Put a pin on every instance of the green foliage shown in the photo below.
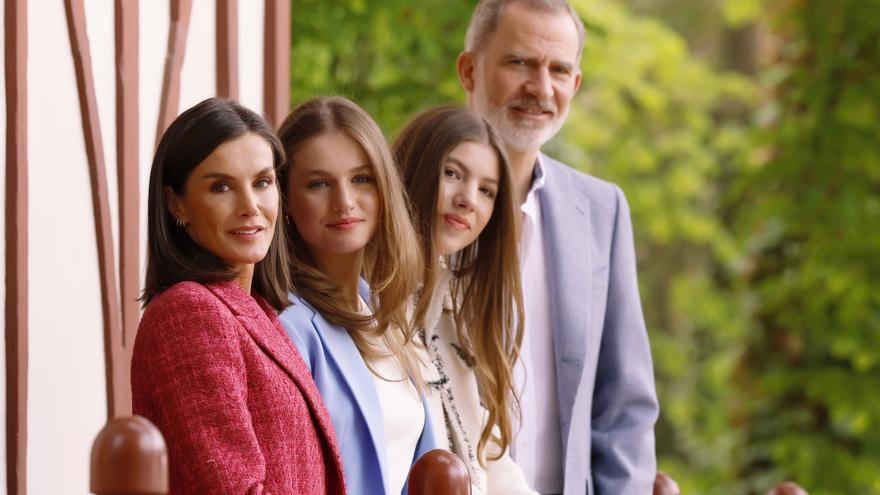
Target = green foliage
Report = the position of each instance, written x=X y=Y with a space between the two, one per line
x=810 y=214
x=669 y=130
x=393 y=57
x=741 y=12
x=755 y=212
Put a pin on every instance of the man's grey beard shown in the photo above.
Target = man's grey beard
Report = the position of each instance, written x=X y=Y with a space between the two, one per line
x=520 y=136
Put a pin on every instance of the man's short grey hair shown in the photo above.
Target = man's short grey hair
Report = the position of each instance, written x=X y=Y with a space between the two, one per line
x=488 y=13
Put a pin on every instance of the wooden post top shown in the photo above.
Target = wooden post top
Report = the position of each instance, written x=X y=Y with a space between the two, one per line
x=129 y=457
x=439 y=472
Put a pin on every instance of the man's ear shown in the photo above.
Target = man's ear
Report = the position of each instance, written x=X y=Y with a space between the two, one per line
x=465 y=65
x=577 y=81
x=174 y=205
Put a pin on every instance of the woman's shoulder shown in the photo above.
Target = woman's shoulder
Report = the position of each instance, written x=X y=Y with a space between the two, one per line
x=183 y=302
x=298 y=320
x=299 y=310
x=186 y=317
x=186 y=290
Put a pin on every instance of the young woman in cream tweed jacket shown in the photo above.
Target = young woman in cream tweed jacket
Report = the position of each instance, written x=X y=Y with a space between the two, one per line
x=468 y=313
x=451 y=375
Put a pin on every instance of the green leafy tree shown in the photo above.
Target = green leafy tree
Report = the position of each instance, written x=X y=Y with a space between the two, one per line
x=671 y=132
x=393 y=57
x=809 y=214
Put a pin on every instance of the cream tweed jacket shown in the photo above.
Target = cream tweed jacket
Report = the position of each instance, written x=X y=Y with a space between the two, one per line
x=464 y=414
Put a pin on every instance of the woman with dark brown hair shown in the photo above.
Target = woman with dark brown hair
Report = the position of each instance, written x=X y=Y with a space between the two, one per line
x=469 y=310
x=212 y=368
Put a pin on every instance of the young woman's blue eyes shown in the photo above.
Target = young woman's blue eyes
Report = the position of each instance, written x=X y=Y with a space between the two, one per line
x=220 y=187
x=264 y=182
x=488 y=192
x=322 y=183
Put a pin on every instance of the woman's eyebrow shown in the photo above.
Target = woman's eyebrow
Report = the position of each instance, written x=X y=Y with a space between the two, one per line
x=321 y=171
x=221 y=175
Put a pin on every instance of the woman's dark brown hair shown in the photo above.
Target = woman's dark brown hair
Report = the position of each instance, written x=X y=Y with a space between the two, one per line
x=486 y=289
x=172 y=255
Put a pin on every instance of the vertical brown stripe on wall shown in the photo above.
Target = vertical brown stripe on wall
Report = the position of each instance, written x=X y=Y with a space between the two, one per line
x=128 y=173
x=177 y=29
x=227 y=49
x=276 y=83
x=114 y=353
x=15 y=34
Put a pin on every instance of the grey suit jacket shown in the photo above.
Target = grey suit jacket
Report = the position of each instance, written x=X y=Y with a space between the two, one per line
x=605 y=377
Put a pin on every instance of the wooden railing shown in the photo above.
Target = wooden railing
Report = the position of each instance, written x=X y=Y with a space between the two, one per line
x=129 y=457
x=665 y=485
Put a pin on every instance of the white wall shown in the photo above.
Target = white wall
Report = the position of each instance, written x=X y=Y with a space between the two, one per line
x=198 y=75
x=152 y=44
x=67 y=400
x=250 y=55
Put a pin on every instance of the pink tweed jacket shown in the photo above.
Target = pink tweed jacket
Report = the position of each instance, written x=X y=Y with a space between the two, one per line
x=213 y=369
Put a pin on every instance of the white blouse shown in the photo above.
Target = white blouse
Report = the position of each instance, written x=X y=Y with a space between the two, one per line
x=403 y=415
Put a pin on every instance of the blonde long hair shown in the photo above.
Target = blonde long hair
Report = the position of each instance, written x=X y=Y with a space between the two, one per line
x=392 y=261
x=486 y=289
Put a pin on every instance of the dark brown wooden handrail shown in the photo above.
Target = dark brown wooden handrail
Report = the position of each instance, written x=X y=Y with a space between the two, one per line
x=787 y=488
x=665 y=485
x=439 y=472
x=129 y=457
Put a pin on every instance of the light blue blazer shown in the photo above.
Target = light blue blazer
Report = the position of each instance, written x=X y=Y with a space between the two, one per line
x=605 y=377
x=346 y=385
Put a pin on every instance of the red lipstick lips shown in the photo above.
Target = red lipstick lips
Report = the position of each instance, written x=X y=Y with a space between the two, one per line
x=456 y=222
x=346 y=223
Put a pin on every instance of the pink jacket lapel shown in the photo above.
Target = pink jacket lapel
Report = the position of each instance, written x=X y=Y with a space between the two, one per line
x=261 y=322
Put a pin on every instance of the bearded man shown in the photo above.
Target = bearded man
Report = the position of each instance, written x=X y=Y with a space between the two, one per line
x=588 y=401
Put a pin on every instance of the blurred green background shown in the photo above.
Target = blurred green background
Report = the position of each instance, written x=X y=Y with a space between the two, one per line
x=745 y=134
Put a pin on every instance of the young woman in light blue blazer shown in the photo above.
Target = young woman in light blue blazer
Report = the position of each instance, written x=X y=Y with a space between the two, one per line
x=468 y=313
x=354 y=264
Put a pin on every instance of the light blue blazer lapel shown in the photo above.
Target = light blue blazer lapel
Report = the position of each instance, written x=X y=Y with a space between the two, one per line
x=364 y=291
x=568 y=248
x=357 y=376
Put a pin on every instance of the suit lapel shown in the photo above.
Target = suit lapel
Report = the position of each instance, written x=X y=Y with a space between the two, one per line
x=364 y=291
x=567 y=243
x=254 y=317
x=267 y=333
x=341 y=349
